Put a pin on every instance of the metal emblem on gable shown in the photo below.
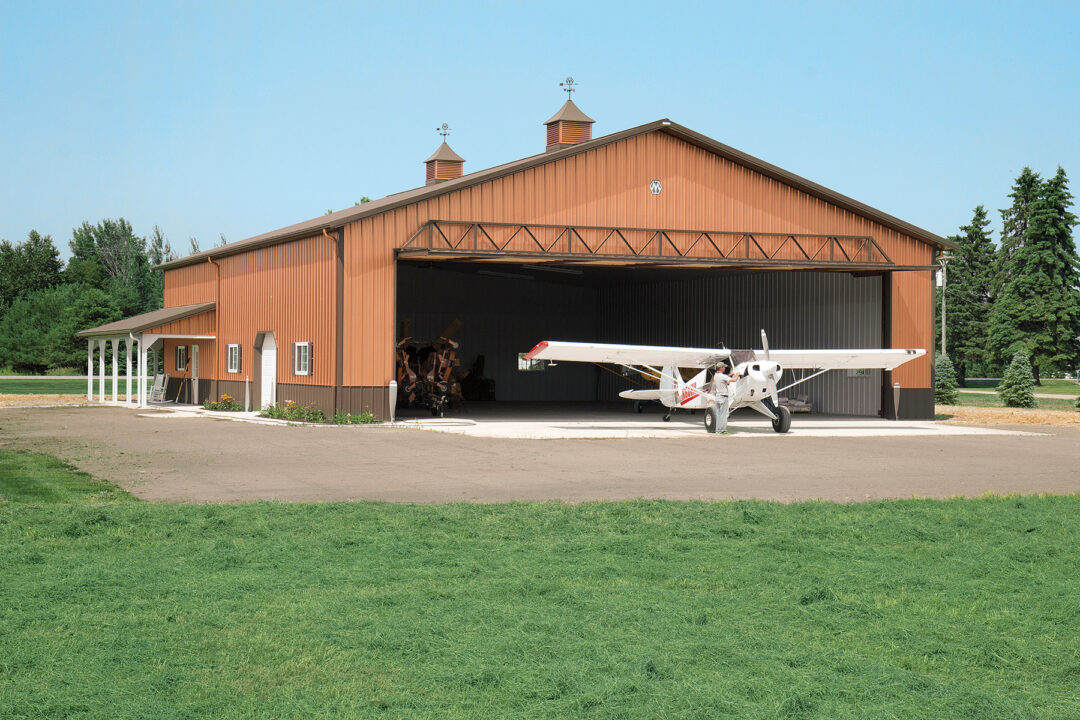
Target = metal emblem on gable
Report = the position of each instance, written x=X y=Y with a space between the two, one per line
x=655 y=187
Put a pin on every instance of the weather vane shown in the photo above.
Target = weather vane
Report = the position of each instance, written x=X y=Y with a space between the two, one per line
x=443 y=130
x=568 y=86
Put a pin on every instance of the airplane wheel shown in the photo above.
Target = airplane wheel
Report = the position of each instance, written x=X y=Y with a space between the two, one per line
x=782 y=423
x=639 y=407
x=712 y=419
x=667 y=417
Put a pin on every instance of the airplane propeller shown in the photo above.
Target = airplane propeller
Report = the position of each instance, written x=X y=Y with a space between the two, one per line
x=765 y=344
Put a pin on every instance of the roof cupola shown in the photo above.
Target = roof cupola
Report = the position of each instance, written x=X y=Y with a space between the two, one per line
x=569 y=126
x=444 y=163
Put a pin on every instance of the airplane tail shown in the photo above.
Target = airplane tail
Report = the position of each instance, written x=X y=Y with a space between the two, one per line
x=670 y=385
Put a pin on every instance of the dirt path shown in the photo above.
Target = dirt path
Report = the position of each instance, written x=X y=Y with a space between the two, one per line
x=207 y=460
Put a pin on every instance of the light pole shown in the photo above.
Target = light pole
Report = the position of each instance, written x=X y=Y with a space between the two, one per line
x=943 y=260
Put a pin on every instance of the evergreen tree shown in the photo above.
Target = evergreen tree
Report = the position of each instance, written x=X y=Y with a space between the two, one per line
x=1014 y=222
x=84 y=307
x=968 y=295
x=1017 y=388
x=1038 y=306
x=30 y=266
x=944 y=381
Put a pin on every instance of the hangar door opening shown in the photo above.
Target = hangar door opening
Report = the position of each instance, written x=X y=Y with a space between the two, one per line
x=497 y=312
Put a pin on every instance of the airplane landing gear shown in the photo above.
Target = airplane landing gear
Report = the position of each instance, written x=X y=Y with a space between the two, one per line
x=782 y=423
x=639 y=407
x=667 y=417
x=712 y=419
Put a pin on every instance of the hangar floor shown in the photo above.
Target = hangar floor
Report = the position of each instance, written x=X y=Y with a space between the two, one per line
x=551 y=421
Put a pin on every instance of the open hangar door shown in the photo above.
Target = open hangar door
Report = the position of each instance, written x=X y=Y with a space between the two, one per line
x=506 y=308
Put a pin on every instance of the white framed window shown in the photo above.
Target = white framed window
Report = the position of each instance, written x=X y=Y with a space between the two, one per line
x=181 y=358
x=302 y=358
x=232 y=358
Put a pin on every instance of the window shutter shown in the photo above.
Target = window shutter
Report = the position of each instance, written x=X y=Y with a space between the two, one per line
x=311 y=359
x=239 y=358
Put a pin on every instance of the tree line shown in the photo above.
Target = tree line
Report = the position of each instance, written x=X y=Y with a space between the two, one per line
x=1021 y=296
x=44 y=302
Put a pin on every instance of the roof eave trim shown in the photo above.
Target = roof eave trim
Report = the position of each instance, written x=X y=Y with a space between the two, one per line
x=193 y=310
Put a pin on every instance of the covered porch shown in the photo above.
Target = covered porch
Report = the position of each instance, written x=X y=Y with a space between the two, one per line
x=175 y=343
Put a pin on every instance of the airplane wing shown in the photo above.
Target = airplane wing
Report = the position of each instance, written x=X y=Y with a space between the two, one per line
x=627 y=354
x=833 y=359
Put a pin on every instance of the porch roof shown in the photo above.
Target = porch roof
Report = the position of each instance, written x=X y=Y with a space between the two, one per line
x=138 y=323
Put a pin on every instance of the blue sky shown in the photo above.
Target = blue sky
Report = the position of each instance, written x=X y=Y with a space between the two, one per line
x=239 y=118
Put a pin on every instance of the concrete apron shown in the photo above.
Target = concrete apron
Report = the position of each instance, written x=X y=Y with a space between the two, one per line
x=576 y=425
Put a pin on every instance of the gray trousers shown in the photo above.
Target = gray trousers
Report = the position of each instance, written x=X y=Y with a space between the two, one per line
x=722 y=406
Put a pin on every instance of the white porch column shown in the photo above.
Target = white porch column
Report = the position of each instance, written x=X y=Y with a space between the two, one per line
x=127 y=370
x=142 y=374
x=90 y=368
x=101 y=370
x=115 y=368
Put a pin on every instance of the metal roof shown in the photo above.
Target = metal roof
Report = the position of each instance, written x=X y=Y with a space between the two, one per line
x=570 y=112
x=138 y=323
x=408 y=197
x=446 y=154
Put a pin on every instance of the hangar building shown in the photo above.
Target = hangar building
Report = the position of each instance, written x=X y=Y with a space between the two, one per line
x=652 y=235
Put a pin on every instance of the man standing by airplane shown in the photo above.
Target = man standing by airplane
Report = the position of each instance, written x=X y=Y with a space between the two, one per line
x=720 y=382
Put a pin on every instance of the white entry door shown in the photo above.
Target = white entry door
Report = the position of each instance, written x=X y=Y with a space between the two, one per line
x=269 y=370
x=195 y=374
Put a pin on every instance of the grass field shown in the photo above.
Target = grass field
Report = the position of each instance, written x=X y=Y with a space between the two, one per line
x=112 y=608
x=57 y=386
x=1054 y=386
x=984 y=400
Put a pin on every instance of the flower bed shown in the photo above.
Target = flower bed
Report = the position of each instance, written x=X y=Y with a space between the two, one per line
x=225 y=402
x=313 y=414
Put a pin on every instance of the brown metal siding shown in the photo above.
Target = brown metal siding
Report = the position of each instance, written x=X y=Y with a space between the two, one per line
x=321 y=396
x=375 y=400
x=189 y=285
x=202 y=324
x=606 y=186
x=912 y=318
x=288 y=289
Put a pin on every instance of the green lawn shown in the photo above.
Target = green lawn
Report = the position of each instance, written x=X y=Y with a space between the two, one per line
x=59 y=386
x=984 y=400
x=911 y=609
x=1054 y=386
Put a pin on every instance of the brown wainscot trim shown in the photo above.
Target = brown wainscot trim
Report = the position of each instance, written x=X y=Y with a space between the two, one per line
x=915 y=404
x=375 y=400
x=302 y=395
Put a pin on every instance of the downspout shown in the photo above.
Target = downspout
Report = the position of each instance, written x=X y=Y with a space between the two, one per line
x=217 y=325
x=339 y=311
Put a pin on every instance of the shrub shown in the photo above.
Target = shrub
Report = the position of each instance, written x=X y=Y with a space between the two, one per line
x=1078 y=402
x=1017 y=388
x=225 y=402
x=312 y=413
x=944 y=381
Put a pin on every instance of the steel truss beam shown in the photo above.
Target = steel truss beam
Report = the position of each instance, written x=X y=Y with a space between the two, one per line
x=586 y=244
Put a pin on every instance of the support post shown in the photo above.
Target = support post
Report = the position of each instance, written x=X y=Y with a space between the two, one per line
x=90 y=369
x=142 y=375
x=127 y=370
x=115 y=368
x=101 y=370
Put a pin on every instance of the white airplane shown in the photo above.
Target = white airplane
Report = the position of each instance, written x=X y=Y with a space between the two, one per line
x=757 y=376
